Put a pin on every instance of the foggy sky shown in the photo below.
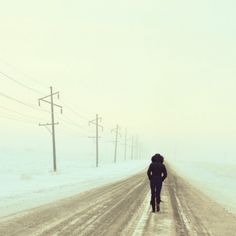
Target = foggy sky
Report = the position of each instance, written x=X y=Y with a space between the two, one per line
x=163 y=69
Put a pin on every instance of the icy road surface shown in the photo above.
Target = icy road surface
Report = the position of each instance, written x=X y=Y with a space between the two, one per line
x=122 y=208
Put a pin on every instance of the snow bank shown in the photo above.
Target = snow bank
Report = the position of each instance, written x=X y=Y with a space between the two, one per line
x=216 y=179
x=23 y=190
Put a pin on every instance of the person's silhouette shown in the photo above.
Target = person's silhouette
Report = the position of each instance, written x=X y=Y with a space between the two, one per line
x=156 y=174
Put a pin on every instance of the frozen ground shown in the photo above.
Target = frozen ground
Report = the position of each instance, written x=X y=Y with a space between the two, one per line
x=26 y=183
x=24 y=186
x=123 y=208
x=216 y=179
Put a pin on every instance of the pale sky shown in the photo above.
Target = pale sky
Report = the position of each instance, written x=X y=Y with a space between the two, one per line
x=163 y=69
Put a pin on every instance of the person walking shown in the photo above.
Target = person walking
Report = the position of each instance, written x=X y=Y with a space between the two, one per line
x=156 y=173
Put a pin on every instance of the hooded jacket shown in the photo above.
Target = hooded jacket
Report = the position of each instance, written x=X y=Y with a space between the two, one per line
x=157 y=170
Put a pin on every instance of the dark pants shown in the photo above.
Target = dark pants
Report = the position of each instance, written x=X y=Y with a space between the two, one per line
x=155 y=184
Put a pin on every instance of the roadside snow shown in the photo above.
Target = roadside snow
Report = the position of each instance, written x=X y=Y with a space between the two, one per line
x=21 y=191
x=216 y=179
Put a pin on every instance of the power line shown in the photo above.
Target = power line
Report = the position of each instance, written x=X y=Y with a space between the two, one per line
x=74 y=125
x=37 y=91
x=24 y=74
x=19 y=113
x=75 y=112
x=22 y=103
x=71 y=131
x=20 y=83
x=16 y=119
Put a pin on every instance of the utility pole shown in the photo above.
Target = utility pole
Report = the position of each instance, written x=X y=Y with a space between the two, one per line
x=141 y=151
x=132 y=148
x=96 y=123
x=52 y=124
x=125 y=143
x=116 y=130
x=136 y=147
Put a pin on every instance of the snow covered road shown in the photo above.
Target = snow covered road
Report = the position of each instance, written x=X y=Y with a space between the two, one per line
x=122 y=208
x=195 y=213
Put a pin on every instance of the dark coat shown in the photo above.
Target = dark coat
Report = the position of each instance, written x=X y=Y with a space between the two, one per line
x=157 y=170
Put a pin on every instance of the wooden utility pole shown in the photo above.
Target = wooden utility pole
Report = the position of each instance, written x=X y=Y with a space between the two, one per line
x=96 y=123
x=52 y=124
x=116 y=130
x=132 y=148
x=137 y=147
x=125 y=144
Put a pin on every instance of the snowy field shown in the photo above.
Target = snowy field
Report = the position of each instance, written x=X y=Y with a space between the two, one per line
x=216 y=179
x=28 y=184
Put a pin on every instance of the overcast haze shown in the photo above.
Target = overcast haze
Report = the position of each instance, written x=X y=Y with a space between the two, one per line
x=163 y=69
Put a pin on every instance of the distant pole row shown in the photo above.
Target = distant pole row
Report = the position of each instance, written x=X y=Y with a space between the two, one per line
x=50 y=100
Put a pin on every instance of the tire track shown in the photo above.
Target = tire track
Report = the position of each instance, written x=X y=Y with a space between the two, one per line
x=187 y=225
x=67 y=214
x=196 y=213
x=50 y=213
x=123 y=208
x=160 y=223
x=83 y=220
